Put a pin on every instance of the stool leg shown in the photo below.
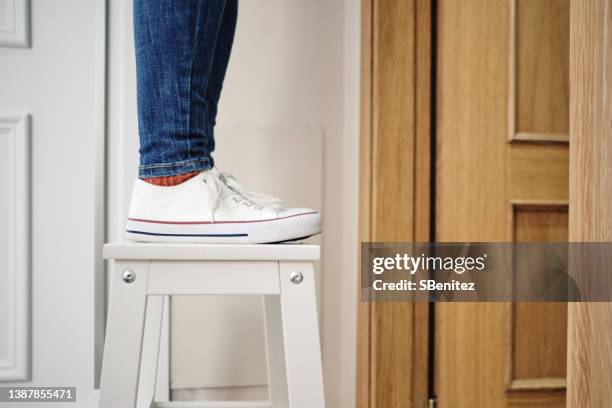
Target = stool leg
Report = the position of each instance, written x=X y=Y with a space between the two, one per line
x=301 y=335
x=124 y=333
x=162 y=382
x=150 y=351
x=277 y=373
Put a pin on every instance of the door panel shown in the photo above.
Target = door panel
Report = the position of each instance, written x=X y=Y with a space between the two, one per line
x=502 y=175
x=540 y=54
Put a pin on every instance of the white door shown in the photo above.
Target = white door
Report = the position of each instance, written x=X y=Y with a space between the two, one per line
x=48 y=105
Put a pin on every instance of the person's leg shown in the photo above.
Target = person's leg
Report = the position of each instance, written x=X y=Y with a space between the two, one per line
x=175 y=48
x=182 y=52
x=223 y=49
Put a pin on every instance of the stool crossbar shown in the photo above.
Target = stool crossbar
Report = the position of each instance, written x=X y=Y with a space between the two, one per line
x=144 y=275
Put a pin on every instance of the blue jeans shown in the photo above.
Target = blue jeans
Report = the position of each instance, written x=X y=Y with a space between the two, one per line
x=182 y=51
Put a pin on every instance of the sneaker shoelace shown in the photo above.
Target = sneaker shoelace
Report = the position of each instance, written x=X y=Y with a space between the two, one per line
x=223 y=185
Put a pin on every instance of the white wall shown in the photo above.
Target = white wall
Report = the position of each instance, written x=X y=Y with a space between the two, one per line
x=294 y=69
x=340 y=288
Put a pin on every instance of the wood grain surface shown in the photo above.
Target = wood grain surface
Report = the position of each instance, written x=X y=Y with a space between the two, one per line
x=590 y=324
x=395 y=192
x=491 y=188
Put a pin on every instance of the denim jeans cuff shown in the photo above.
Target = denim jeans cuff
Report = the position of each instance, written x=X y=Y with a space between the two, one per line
x=173 y=169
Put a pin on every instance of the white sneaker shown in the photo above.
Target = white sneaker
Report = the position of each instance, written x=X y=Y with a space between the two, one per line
x=213 y=208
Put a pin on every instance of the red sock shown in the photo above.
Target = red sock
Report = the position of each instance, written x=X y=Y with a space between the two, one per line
x=168 y=181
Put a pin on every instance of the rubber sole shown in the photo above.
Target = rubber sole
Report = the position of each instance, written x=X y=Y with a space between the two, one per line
x=292 y=228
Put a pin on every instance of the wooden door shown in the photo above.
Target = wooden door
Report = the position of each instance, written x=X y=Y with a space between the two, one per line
x=502 y=175
x=590 y=324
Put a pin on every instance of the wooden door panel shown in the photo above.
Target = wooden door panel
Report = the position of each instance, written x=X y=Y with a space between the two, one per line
x=540 y=223
x=538 y=330
x=502 y=175
x=539 y=337
x=541 y=68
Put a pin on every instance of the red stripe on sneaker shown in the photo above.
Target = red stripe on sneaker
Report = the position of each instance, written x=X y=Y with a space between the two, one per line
x=217 y=222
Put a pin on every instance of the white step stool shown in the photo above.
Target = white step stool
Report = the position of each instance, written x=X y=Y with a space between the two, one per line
x=143 y=274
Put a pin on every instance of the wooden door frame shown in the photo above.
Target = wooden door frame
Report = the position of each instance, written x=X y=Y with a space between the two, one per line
x=589 y=363
x=395 y=192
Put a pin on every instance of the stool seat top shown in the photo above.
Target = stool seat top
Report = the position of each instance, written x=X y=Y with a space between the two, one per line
x=211 y=252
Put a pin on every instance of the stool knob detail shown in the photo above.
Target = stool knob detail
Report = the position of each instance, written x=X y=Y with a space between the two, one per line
x=296 y=277
x=128 y=276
